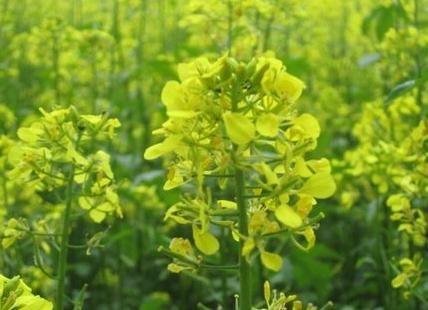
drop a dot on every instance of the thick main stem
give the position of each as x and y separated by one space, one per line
62 259
244 266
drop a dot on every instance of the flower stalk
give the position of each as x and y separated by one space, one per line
65 234
244 266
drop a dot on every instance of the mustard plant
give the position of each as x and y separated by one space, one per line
237 123
55 155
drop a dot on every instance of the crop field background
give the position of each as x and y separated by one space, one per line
213 154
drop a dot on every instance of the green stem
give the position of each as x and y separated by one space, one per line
62 260
80 298
219 267
224 255
244 266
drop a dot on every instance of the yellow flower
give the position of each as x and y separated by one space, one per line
267 125
288 87
271 261
205 241
239 128
288 216
320 185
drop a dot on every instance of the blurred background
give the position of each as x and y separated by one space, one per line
364 63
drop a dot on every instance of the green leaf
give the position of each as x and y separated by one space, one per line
382 18
400 90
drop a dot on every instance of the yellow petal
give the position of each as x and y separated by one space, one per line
102 159
320 185
29 134
154 151
288 216
310 238
73 155
174 268
301 169
268 125
193 69
171 95
182 114
34 303
160 149
86 203
304 205
80 177
249 245
271 177
288 87
97 216
399 280
309 125
239 128
406 262
181 246
271 261
205 241
319 165
174 179
186 71
93 119
297 305
309 235
398 202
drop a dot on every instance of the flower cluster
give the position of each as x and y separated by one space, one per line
56 148
227 116
392 155
401 47
280 301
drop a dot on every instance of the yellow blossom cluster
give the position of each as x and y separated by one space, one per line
391 160
55 146
225 116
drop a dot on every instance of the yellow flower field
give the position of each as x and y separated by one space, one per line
213 155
